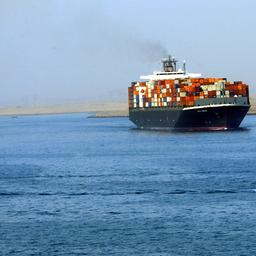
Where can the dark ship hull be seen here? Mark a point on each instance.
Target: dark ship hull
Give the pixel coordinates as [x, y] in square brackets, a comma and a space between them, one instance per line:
[218, 117]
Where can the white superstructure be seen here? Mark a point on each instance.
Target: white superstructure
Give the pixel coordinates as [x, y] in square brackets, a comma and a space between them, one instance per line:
[170, 71]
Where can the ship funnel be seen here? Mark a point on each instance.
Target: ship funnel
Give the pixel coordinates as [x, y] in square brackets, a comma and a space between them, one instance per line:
[169, 64]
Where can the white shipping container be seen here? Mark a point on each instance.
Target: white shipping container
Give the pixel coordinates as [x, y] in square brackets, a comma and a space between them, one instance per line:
[220, 86]
[178, 98]
[167, 86]
[204, 87]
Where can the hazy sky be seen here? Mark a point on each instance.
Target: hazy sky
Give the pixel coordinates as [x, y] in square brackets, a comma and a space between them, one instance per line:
[61, 51]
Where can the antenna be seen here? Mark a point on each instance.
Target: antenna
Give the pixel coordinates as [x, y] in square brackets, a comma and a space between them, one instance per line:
[174, 61]
[184, 66]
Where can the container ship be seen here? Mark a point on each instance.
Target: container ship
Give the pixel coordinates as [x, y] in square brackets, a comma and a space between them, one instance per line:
[175, 99]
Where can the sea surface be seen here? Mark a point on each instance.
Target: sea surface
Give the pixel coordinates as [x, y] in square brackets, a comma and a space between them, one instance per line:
[72, 185]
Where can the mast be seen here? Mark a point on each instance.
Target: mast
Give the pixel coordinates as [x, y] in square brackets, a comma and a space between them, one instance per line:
[184, 67]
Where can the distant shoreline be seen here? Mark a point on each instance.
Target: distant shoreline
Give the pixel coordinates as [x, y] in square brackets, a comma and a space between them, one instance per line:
[91, 108]
[91, 115]
[95, 110]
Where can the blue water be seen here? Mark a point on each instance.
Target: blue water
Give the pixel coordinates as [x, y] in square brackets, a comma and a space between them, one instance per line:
[71, 185]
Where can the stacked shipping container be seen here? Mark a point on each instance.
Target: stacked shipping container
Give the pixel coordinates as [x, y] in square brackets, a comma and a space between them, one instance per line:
[182, 92]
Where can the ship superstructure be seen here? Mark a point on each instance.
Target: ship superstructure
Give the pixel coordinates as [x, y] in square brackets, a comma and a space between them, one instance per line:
[170, 71]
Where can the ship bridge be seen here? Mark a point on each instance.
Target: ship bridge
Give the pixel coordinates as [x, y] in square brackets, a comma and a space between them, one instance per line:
[170, 71]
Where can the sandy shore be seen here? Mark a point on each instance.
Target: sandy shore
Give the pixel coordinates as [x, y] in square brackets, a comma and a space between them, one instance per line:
[96, 109]
[252, 110]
